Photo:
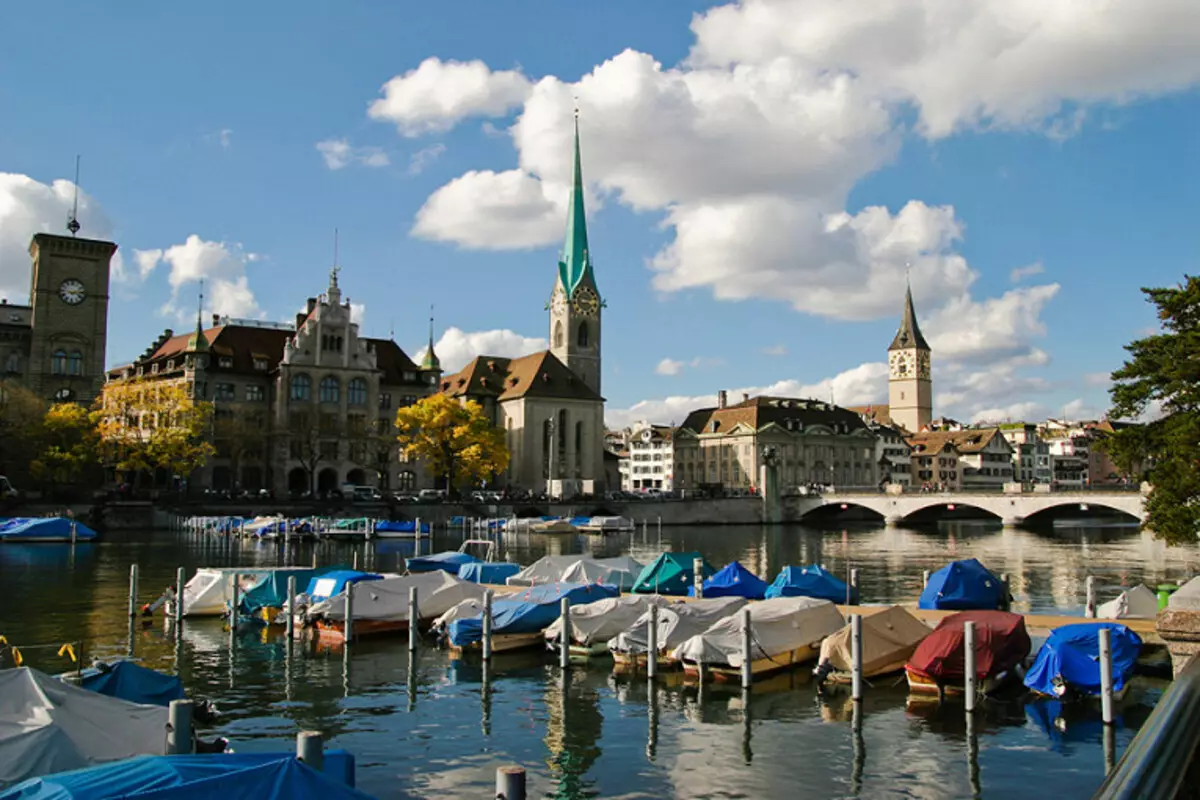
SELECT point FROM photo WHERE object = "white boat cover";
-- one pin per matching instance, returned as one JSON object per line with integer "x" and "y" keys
{"x": 889, "y": 637}
{"x": 777, "y": 626}
{"x": 472, "y": 607}
{"x": 677, "y": 622}
{"x": 599, "y": 621}
{"x": 207, "y": 593}
{"x": 1138, "y": 602}
{"x": 621, "y": 571}
{"x": 48, "y": 726}
{"x": 387, "y": 599}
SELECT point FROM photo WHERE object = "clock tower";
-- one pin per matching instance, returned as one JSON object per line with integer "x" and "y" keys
{"x": 575, "y": 304}
{"x": 910, "y": 387}
{"x": 69, "y": 317}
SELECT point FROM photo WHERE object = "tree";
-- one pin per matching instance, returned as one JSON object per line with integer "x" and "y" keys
{"x": 68, "y": 447}
{"x": 1161, "y": 378}
{"x": 240, "y": 434}
{"x": 21, "y": 413}
{"x": 313, "y": 438}
{"x": 456, "y": 440}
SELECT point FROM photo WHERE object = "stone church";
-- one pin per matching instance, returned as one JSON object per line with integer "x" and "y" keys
{"x": 549, "y": 403}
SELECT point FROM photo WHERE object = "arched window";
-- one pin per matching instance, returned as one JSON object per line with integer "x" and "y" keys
{"x": 301, "y": 387}
{"x": 58, "y": 362}
{"x": 578, "y": 448}
{"x": 558, "y": 334}
{"x": 581, "y": 336}
{"x": 547, "y": 439}
{"x": 75, "y": 363}
{"x": 356, "y": 392}
{"x": 331, "y": 390}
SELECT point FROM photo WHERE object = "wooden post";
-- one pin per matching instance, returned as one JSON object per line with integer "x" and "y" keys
{"x": 133, "y": 589}
{"x": 969, "y": 674}
{"x": 510, "y": 783}
{"x": 348, "y": 627}
{"x": 698, "y": 576}
{"x": 291, "y": 612}
{"x": 487, "y": 624}
{"x": 747, "y": 664}
{"x": 1106, "y": 676}
{"x": 1090, "y": 608}
{"x": 652, "y": 645}
{"x": 564, "y": 649}
{"x": 414, "y": 619}
{"x": 856, "y": 657}
{"x": 178, "y": 597}
{"x": 660, "y": 526}
{"x": 179, "y": 727}
{"x": 314, "y": 561}
{"x": 310, "y": 749}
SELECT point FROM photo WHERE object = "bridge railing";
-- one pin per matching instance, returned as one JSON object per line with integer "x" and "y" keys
{"x": 975, "y": 490}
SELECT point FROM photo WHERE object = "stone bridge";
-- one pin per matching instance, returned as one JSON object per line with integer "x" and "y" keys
{"x": 1010, "y": 508}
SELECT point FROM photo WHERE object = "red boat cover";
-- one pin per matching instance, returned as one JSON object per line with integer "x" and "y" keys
{"x": 1001, "y": 642}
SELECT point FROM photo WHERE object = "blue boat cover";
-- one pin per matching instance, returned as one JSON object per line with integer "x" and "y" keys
{"x": 732, "y": 580}
{"x": 271, "y": 589}
{"x": 963, "y": 586}
{"x": 530, "y": 611}
{"x": 322, "y": 587}
{"x": 448, "y": 561}
{"x": 220, "y": 776}
{"x": 49, "y": 528}
{"x": 400, "y": 526}
{"x": 130, "y": 681}
{"x": 485, "y": 572}
{"x": 811, "y": 581}
{"x": 670, "y": 573}
{"x": 1070, "y": 658}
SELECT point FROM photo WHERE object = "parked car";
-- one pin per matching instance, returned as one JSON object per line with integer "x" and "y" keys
{"x": 366, "y": 494}
{"x": 431, "y": 495}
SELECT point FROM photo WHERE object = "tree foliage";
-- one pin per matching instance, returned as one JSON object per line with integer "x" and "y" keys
{"x": 68, "y": 448}
{"x": 21, "y": 413}
{"x": 148, "y": 426}
{"x": 1161, "y": 379}
{"x": 455, "y": 440}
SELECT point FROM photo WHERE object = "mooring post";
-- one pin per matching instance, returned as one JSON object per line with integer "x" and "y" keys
{"x": 645, "y": 529}
{"x": 852, "y": 587}
{"x": 969, "y": 674}
{"x": 1106, "y": 676}
{"x": 924, "y": 579}
{"x": 1090, "y": 587}
{"x": 660, "y": 526}
{"x": 133, "y": 589}
{"x": 487, "y": 624}
{"x": 348, "y": 627}
{"x": 291, "y": 607}
{"x": 414, "y": 619}
{"x": 314, "y": 561}
{"x": 1006, "y": 586}
{"x": 698, "y": 576}
{"x": 856, "y": 657}
{"x": 747, "y": 663}
{"x": 417, "y": 536}
{"x": 564, "y": 649}
{"x": 178, "y": 597}
{"x": 510, "y": 783}
{"x": 179, "y": 727}
{"x": 310, "y": 749}
{"x": 234, "y": 589}
{"x": 652, "y": 645}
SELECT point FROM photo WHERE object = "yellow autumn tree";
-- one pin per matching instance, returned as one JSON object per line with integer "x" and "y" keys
{"x": 68, "y": 448}
{"x": 456, "y": 440}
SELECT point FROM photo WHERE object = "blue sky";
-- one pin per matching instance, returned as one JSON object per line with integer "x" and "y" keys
{"x": 760, "y": 175}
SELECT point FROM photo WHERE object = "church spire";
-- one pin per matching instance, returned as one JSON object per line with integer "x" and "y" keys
{"x": 431, "y": 362}
{"x": 575, "y": 263}
{"x": 909, "y": 334}
{"x": 197, "y": 342}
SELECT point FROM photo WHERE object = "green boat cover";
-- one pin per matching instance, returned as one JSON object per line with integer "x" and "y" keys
{"x": 670, "y": 573}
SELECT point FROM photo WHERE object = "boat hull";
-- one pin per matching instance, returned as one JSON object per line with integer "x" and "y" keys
{"x": 636, "y": 662}
{"x": 759, "y": 668}
{"x": 334, "y": 629}
{"x": 840, "y": 678}
{"x": 503, "y": 643}
{"x": 923, "y": 685}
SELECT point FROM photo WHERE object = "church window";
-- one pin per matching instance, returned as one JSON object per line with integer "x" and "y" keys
{"x": 356, "y": 392}
{"x": 581, "y": 336}
{"x": 547, "y": 439}
{"x": 255, "y": 393}
{"x": 578, "y": 443}
{"x": 301, "y": 387}
{"x": 331, "y": 390}
{"x": 58, "y": 363}
{"x": 560, "y": 457}
{"x": 558, "y": 334}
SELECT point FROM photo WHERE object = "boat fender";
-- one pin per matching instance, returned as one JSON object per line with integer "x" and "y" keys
{"x": 820, "y": 673}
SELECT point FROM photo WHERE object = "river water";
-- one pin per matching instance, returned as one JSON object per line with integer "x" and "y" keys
{"x": 437, "y": 728}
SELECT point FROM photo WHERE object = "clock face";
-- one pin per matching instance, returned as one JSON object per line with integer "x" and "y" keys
{"x": 900, "y": 364}
{"x": 586, "y": 302}
{"x": 72, "y": 292}
{"x": 558, "y": 303}
{"x": 923, "y": 365}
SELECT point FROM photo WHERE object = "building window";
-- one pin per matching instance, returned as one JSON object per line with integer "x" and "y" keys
{"x": 385, "y": 401}
{"x": 331, "y": 390}
{"x": 581, "y": 337}
{"x": 356, "y": 392}
{"x": 408, "y": 400}
{"x": 170, "y": 364}
{"x": 329, "y": 450}
{"x": 410, "y": 377}
{"x": 256, "y": 393}
{"x": 260, "y": 363}
{"x": 64, "y": 395}
{"x": 225, "y": 362}
{"x": 301, "y": 387}
{"x": 154, "y": 369}
{"x": 407, "y": 479}
{"x": 225, "y": 391}
{"x": 13, "y": 364}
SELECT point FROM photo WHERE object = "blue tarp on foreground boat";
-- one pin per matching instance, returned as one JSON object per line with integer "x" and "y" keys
{"x": 400, "y": 526}
{"x": 448, "y": 561}
{"x": 964, "y": 586}
{"x": 670, "y": 573}
{"x": 488, "y": 572}
{"x": 811, "y": 581}
{"x": 271, "y": 589}
{"x": 1070, "y": 659}
{"x": 322, "y": 587}
{"x": 130, "y": 681}
{"x": 530, "y": 611}
{"x": 43, "y": 529}
{"x": 732, "y": 580}
{"x": 221, "y": 776}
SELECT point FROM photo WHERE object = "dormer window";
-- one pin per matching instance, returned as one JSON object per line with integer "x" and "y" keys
{"x": 153, "y": 369}
{"x": 225, "y": 362}
{"x": 170, "y": 364}
{"x": 410, "y": 377}
{"x": 261, "y": 364}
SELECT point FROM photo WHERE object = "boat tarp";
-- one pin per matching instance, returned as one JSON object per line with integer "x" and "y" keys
{"x": 222, "y": 776}
{"x": 1070, "y": 657}
{"x": 670, "y": 573}
{"x": 732, "y": 580}
{"x": 677, "y": 622}
{"x": 1001, "y": 642}
{"x": 448, "y": 561}
{"x": 547, "y": 569}
{"x": 271, "y": 591}
{"x": 528, "y": 611}
{"x": 600, "y": 621}
{"x": 207, "y": 593}
{"x": 777, "y": 626}
{"x": 1137, "y": 602}
{"x": 387, "y": 599}
{"x": 48, "y": 726}
{"x": 811, "y": 581}
{"x": 400, "y": 526}
{"x": 131, "y": 681}
{"x": 889, "y": 638}
{"x": 621, "y": 571}
{"x": 963, "y": 586}
{"x": 332, "y": 583}
{"x": 49, "y": 528}
{"x": 496, "y": 572}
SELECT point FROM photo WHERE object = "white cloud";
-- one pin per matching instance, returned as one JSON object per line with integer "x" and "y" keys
{"x": 997, "y": 327}
{"x": 423, "y": 158}
{"x": 339, "y": 153}
{"x": 1021, "y": 273}
{"x": 147, "y": 260}
{"x": 1027, "y": 410}
{"x": 358, "y": 315}
{"x": 1100, "y": 379}
{"x": 223, "y": 137}
{"x": 669, "y": 366}
{"x": 777, "y": 350}
{"x": 222, "y": 267}
{"x": 457, "y": 347}
{"x": 498, "y": 210}
{"x": 438, "y": 94}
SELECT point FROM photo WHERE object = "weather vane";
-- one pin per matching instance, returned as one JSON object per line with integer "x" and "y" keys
{"x": 73, "y": 220}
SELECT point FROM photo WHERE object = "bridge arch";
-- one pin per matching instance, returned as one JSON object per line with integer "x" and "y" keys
{"x": 1078, "y": 509}
{"x": 943, "y": 509}
{"x": 839, "y": 511}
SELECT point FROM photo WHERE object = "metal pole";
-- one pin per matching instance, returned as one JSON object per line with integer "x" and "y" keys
{"x": 179, "y": 583}
{"x": 348, "y": 627}
{"x": 856, "y": 657}
{"x": 924, "y": 579}
{"x": 969, "y": 674}
{"x": 652, "y": 645}
{"x": 133, "y": 589}
{"x": 417, "y": 537}
{"x": 1004, "y": 582}
{"x": 314, "y": 561}
{"x": 355, "y": 562}
{"x": 660, "y": 526}
{"x": 564, "y": 648}
{"x": 698, "y": 576}
{"x": 233, "y": 603}
{"x": 852, "y": 587}
{"x": 1106, "y": 676}
{"x": 310, "y": 748}
{"x": 291, "y": 607}
{"x": 510, "y": 783}
{"x": 1090, "y": 609}
{"x": 179, "y": 727}
{"x": 487, "y": 624}
{"x": 747, "y": 666}
{"x": 414, "y": 619}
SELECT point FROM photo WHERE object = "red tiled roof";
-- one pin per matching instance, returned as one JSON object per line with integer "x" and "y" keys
{"x": 540, "y": 374}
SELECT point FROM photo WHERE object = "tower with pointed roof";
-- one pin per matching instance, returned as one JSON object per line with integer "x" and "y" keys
{"x": 575, "y": 304}
{"x": 431, "y": 362}
{"x": 910, "y": 386}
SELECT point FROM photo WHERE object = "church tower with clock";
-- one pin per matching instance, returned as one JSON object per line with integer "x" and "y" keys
{"x": 910, "y": 387}
{"x": 575, "y": 304}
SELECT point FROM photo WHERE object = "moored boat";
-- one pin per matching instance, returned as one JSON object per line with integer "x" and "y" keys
{"x": 811, "y": 581}
{"x": 553, "y": 526}
{"x": 1068, "y": 664}
{"x": 400, "y": 529}
{"x": 963, "y": 586}
{"x": 671, "y": 574}
{"x": 937, "y": 666}
{"x": 620, "y": 571}
{"x": 678, "y": 621}
{"x": 29, "y": 530}
{"x": 732, "y": 580}
{"x": 889, "y": 638}
{"x": 447, "y": 561}
{"x": 381, "y": 606}
{"x": 209, "y": 592}
{"x": 593, "y": 625}
{"x": 519, "y": 619}
{"x": 1137, "y": 602}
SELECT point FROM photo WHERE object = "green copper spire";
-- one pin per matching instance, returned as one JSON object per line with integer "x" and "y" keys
{"x": 197, "y": 342}
{"x": 576, "y": 263}
{"x": 431, "y": 362}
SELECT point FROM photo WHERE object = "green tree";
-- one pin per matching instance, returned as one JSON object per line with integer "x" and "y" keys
{"x": 1161, "y": 379}
{"x": 21, "y": 413}
{"x": 456, "y": 440}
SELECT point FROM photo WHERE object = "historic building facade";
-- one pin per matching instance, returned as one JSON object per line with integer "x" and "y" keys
{"x": 55, "y": 345}
{"x": 647, "y": 458}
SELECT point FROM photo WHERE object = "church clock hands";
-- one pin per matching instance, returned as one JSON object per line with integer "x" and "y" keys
{"x": 586, "y": 302}
{"x": 72, "y": 292}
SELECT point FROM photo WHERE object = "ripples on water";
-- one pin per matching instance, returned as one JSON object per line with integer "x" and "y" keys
{"x": 437, "y": 728}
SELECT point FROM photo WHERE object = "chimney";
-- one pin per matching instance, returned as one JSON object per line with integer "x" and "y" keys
{"x": 312, "y": 304}
{"x": 745, "y": 397}
{"x": 216, "y": 320}
{"x": 299, "y": 320}
{"x": 721, "y": 398}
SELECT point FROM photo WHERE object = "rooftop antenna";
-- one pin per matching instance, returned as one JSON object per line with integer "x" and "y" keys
{"x": 73, "y": 220}
{"x": 333, "y": 273}
{"x": 431, "y": 324}
{"x": 392, "y": 329}
{"x": 200, "y": 306}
